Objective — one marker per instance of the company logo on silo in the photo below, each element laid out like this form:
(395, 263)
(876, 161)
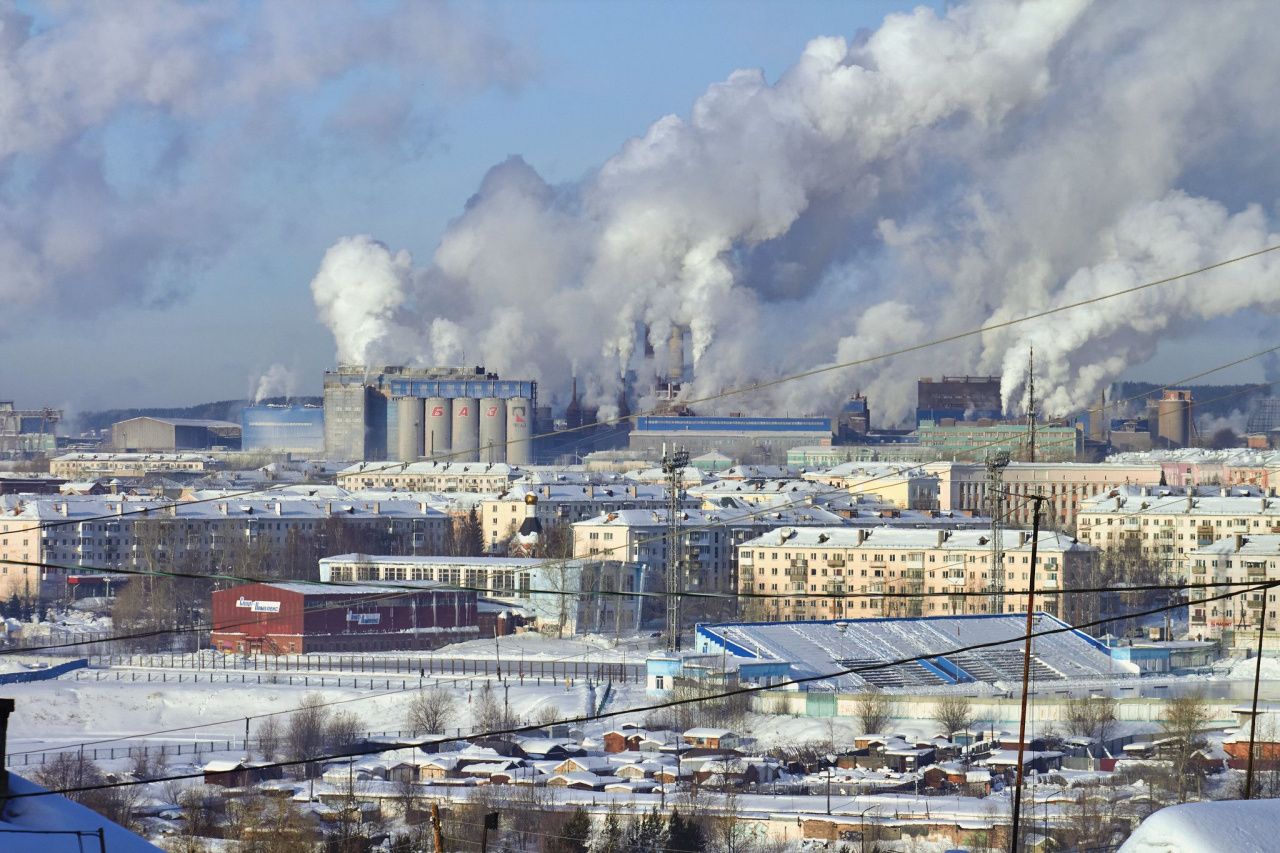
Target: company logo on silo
(517, 412)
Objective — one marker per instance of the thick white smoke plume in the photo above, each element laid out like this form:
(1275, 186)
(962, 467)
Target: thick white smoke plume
(941, 173)
(207, 87)
(276, 381)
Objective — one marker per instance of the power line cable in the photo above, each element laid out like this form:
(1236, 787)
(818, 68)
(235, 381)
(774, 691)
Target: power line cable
(671, 703)
(815, 371)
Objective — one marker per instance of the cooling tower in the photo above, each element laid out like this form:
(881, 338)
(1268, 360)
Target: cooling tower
(409, 428)
(519, 431)
(493, 430)
(438, 438)
(466, 430)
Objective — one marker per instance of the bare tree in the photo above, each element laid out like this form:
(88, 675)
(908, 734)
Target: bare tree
(1091, 717)
(307, 733)
(269, 738)
(1186, 718)
(343, 731)
(431, 711)
(873, 710)
(953, 712)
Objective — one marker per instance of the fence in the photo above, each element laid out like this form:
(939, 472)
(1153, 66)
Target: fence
(516, 669)
(43, 674)
(289, 679)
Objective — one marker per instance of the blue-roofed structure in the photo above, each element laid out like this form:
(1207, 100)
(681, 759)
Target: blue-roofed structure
(875, 648)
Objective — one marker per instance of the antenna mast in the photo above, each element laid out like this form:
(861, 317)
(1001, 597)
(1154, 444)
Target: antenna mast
(673, 466)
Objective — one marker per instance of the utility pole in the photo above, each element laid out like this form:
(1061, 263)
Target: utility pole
(436, 832)
(673, 466)
(1257, 676)
(996, 463)
(1026, 669)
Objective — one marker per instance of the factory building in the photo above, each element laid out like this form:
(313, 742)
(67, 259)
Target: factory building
(168, 435)
(447, 413)
(746, 439)
(300, 618)
(959, 398)
(973, 441)
(291, 429)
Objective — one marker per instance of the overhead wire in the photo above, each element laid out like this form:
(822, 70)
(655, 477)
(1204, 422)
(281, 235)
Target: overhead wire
(669, 703)
(756, 386)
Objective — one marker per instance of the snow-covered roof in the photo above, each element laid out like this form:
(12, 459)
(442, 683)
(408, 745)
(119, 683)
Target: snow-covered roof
(1208, 828)
(887, 537)
(53, 811)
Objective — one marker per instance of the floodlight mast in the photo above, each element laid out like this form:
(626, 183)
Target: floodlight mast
(673, 466)
(996, 463)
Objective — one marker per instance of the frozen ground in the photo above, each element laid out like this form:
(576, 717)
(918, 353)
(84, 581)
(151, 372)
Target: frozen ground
(50, 714)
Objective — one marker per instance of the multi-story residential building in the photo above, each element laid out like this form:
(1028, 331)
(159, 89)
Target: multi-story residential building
(823, 573)
(1066, 485)
(555, 505)
(905, 486)
(549, 590)
(254, 536)
(708, 546)
(1167, 524)
(1244, 559)
(493, 479)
(91, 466)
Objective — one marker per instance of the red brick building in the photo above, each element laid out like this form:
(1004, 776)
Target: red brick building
(296, 618)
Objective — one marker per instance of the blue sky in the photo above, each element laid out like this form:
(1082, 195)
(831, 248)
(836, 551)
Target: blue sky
(599, 73)
(218, 197)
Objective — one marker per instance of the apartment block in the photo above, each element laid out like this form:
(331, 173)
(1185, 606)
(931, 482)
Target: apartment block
(811, 573)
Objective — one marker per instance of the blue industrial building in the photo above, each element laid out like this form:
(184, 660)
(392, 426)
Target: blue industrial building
(294, 429)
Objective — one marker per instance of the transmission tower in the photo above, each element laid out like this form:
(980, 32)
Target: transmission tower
(996, 463)
(673, 466)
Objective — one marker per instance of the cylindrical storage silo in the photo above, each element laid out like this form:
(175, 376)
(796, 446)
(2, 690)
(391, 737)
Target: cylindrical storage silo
(519, 431)
(493, 430)
(466, 430)
(438, 440)
(409, 427)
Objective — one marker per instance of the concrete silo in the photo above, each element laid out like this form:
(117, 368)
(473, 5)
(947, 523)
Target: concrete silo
(409, 429)
(466, 430)
(519, 431)
(493, 430)
(438, 437)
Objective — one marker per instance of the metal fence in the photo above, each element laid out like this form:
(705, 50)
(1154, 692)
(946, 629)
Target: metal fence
(293, 680)
(515, 668)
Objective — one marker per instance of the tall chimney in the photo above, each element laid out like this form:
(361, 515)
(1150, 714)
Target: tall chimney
(675, 355)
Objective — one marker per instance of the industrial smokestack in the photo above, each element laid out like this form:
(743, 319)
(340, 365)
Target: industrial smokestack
(675, 355)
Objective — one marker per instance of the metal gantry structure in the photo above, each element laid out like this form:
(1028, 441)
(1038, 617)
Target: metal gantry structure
(673, 465)
(996, 463)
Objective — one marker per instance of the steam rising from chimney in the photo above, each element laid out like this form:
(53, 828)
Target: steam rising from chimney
(939, 174)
